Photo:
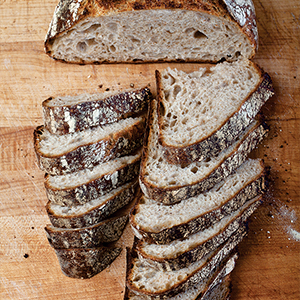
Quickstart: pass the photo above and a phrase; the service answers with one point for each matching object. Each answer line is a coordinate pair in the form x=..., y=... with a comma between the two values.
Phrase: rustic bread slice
x=83, y=263
x=68, y=114
x=156, y=223
x=144, y=31
x=203, y=112
x=183, y=252
x=169, y=183
x=146, y=280
x=217, y=283
x=107, y=231
x=93, y=211
x=59, y=155
x=83, y=186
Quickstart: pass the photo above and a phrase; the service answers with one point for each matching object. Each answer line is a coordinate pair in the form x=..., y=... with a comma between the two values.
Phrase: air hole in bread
x=184, y=121
x=162, y=110
x=92, y=28
x=112, y=26
x=172, y=182
x=199, y=35
x=189, y=30
x=81, y=47
x=194, y=170
x=112, y=48
x=176, y=91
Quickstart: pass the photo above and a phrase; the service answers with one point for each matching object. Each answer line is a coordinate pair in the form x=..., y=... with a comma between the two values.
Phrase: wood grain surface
x=268, y=267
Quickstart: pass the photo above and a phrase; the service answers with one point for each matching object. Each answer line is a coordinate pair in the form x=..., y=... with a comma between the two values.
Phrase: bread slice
x=59, y=155
x=202, y=113
x=156, y=222
x=83, y=263
x=69, y=114
x=169, y=183
x=83, y=186
x=107, y=231
x=146, y=31
x=183, y=252
x=217, y=283
x=146, y=280
x=94, y=211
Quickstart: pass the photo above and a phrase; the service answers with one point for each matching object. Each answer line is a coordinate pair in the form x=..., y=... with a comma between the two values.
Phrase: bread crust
x=94, y=188
x=77, y=117
x=88, y=156
x=68, y=13
x=170, y=195
x=86, y=263
x=218, y=258
x=106, y=231
x=201, y=222
x=98, y=213
x=185, y=259
x=225, y=134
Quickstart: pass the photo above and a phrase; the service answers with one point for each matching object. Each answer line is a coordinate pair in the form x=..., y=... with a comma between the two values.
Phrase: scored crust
x=83, y=263
x=98, y=110
x=222, y=136
x=68, y=13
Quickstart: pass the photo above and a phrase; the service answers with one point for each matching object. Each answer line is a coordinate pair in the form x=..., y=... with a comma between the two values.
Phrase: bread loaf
x=148, y=31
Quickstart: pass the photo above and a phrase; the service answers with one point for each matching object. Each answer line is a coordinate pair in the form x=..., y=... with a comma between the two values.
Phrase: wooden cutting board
x=268, y=267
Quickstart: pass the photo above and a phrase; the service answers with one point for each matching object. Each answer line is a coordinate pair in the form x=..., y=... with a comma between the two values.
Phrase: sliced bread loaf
x=217, y=283
x=83, y=186
x=68, y=114
x=156, y=223
x=144, y=31
x=146, y=280
x=93, y=211
x=169, y=183
x=106, y=231
x=59, y=155
x=204, y=112
x=183, y=252
x=83, y=263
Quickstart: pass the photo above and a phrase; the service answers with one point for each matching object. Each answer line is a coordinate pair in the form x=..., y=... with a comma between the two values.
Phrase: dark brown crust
x=219, y=257
x=68, y=13
x=106, y=231
x=225, y=134
x=111, y=109
x=93, y=189
x=170, y=195
x=97, y=214
x=185, y=259
x=87, y=156
x=252, y=190
x=86, y=263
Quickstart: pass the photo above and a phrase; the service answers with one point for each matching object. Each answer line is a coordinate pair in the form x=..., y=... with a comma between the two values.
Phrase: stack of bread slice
x=198, y=185
x=90, y=149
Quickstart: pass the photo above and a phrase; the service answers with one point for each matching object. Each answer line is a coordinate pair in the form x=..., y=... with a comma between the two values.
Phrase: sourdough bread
x=64, y=154
x=182, y=252
x=93, y=211
x=156, y=223
x=85, y=185
x=68, y=114
x=147, y=31
x=85, y=263
x=216, y=284
x=107, y=231
x=203, y=112
x=146, y=280
x=169, y=183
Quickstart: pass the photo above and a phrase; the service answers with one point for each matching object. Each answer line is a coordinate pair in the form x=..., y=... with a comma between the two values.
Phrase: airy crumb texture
x=154, y=217
x=197, y=104
x=152, y=35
